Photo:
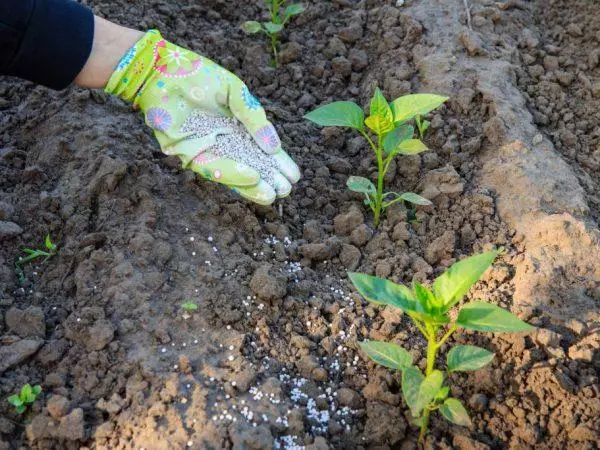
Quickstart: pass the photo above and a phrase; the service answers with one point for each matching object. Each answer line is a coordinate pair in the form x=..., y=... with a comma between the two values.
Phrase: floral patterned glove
x=174, y=87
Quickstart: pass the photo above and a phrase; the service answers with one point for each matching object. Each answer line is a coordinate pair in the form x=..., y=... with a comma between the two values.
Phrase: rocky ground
x=270, y=358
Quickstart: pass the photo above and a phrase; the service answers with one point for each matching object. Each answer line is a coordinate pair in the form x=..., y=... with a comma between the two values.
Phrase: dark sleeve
x=45, y=41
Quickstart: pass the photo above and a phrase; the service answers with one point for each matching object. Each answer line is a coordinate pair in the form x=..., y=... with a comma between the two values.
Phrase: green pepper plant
x=429, y=311
x=26, y=396
x=392, y=135
x=280, y=15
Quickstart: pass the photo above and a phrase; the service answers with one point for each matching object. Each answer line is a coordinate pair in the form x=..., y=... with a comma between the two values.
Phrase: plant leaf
x=455, y=412
x=415, y=199
x=190, y=306
x=419, y=391
x=386, y=354
x=15, y=400
x=37, y=389
x=425, y=299
x=442, y=394
x=251, y=27
x=412, y=378
x=381, y=120
x=454, y=283
x=20, y=409
x=396, y=136
x=272, y=28
x=383, y=292
x=361, y=184
x=430, y=386
x=338, y=114
x=411, y=147
x=481, y=316
x=467, y=357
x=49, y=244
x=293, y=10
x=408, y=106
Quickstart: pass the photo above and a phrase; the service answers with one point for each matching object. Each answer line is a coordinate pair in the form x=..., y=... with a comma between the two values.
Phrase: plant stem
x=432, y=348
x=377, y=149
x=274, y=47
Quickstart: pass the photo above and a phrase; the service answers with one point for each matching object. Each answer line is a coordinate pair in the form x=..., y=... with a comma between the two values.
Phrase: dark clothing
x=45, y=41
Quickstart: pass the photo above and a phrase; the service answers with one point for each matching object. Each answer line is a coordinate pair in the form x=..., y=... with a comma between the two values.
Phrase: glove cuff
x=130, y=75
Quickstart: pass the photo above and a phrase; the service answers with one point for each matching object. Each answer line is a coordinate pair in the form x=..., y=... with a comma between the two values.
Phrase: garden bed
x=270, y=358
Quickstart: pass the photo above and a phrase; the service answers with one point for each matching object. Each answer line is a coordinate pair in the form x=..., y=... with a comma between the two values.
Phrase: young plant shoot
x=392, y=135
x=428, y=309
x=26, y=396
x=279, y=18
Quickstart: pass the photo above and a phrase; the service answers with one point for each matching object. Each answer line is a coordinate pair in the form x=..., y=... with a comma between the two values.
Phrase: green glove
x=183, y=96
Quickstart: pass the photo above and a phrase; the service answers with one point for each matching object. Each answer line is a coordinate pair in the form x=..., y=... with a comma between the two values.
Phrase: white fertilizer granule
x=235, y=143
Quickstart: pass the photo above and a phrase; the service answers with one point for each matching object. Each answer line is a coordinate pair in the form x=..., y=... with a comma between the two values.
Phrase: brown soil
x=270, y=359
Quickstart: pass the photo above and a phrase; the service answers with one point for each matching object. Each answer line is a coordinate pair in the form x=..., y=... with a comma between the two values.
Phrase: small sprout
x=33, y=254
x=428, y=309
x=279, y=18
x=422, y=125
x=392, y=136
x=190, y=306
x=25, y=397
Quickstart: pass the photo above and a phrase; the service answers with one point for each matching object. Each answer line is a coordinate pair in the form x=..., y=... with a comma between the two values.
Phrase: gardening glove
x=175, y=89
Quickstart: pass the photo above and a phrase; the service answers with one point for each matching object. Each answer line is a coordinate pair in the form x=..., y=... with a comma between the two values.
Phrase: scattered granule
x=235, y=143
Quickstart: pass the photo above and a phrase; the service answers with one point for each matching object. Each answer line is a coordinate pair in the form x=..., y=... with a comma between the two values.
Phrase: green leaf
x=383, y=292
x=454, y=283
x=15, y=400
x=411, y=147
x=467, y=357
x=415, y=199
x=26, y=393
x=272, y=28
x=381, y=120
x=338, y=114
x=392, y=140
x=361, y=184
x=190, y=306
x=293, y=10
x=481, y=316
x=408, y=106
x=442, y=394
x=428, y=387
x=386, y=354
x=37, y=389
x=251, y=27
x=412, y=378
x=49, y=244
x=426, y=299
x=20, y=409
x=455, y=412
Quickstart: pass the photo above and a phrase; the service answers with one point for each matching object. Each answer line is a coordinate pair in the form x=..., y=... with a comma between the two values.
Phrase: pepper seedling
x=26, y=396
x=393, y=136
x=37, y=253
x=190, y=306
x=428, y=309
x=280, y=16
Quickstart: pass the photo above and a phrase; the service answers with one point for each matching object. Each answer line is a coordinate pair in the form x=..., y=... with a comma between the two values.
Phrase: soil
x=270, y=360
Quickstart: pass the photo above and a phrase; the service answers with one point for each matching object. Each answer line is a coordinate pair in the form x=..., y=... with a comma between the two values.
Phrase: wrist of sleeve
x=134, y=69
x=55, y=44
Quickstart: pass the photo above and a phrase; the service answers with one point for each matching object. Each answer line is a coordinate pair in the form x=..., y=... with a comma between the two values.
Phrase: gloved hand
x=174, y=88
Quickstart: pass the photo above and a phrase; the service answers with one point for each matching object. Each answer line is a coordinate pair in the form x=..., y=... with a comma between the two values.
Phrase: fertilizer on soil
x=233, y=142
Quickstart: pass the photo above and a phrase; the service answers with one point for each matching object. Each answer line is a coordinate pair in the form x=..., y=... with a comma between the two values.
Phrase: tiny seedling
x=25, y=397
x=422, y=125
x=190, y=306
x=280, y=15
x=429, y=311
x=33, y=254
x=393, y=136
